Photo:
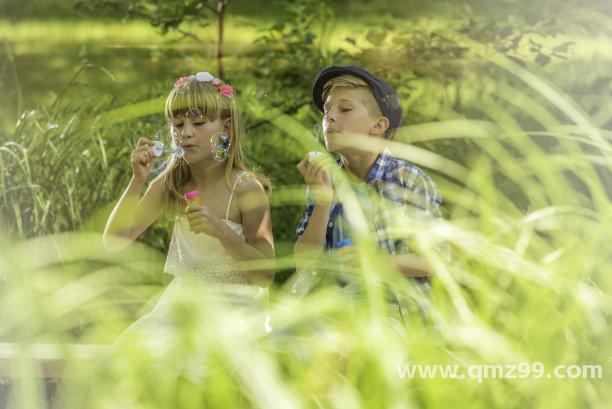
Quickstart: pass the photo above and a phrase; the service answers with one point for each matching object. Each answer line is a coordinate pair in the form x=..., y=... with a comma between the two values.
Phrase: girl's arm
x=254, y=207
x=133, y=214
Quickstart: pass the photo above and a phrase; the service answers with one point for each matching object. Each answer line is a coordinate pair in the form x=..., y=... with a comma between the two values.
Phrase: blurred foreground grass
x=521, y=154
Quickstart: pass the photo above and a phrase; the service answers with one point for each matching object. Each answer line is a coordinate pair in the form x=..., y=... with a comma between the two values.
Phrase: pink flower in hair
x=183, y=80
x=226, y=90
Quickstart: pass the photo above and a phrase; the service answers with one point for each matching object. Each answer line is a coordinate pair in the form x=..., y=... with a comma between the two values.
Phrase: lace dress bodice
x=201, y=257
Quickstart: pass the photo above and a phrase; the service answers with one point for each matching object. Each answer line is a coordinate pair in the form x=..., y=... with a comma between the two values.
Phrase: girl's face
x=193, y=131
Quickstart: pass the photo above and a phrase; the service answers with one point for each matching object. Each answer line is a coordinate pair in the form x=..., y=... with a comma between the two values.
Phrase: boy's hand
x=142, y=159
x=316, y=174
x=201, y=220
x=348, y=258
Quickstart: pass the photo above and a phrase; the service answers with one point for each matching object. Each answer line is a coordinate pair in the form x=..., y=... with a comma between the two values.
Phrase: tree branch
x=189, y=34
x=288, y=111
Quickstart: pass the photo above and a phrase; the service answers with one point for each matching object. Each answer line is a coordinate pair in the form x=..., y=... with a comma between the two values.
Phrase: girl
x=232, y=222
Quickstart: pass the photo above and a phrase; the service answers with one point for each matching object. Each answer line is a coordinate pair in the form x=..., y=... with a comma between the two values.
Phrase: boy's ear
x=380, y=126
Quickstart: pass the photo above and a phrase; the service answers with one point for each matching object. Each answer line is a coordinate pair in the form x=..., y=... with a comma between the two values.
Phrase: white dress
x=198, y=262
x=201, y=257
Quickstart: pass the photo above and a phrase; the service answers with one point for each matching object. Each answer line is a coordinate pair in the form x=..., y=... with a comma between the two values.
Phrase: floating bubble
x=243, y=177
x=159, y=149
x=165, y=134
x=260, y=93
x=194, y=115
x=313, y=155
x=317, y=131
x=164, y=147
x=220, y=144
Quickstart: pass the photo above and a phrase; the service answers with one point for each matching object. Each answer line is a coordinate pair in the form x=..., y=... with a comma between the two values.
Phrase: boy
x=355, y=103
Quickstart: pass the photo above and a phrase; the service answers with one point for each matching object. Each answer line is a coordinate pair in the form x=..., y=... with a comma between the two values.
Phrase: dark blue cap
x=385, y=95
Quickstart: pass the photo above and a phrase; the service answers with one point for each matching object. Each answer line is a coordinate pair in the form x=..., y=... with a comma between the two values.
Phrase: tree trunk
x=221, y=6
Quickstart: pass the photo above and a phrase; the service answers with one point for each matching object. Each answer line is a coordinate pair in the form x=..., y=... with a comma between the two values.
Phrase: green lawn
x=45, y=54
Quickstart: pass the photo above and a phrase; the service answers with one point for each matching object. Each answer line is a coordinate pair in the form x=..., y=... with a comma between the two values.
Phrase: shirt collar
x=377, y=172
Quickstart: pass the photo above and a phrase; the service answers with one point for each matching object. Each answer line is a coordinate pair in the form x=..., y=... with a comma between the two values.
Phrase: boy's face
x=345, y=114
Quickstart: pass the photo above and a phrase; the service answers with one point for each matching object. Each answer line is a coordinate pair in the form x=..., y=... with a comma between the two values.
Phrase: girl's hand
x=316, y=174
x=142, y=159
x=201, y=220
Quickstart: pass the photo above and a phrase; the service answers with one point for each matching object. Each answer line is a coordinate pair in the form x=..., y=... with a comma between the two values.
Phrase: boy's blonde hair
x=213, y=105
x=367, y=97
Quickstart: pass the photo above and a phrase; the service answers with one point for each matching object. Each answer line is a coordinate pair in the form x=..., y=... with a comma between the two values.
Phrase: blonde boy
x=355, y=103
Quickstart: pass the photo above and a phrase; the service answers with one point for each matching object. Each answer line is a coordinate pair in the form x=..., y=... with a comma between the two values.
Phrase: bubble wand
x=192, y=198
x=159, y=149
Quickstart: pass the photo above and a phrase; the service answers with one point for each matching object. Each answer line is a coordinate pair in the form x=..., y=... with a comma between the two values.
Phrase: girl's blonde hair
x=206, y=97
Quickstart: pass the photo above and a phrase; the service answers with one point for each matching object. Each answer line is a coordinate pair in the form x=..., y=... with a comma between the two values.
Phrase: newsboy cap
x=385, y=95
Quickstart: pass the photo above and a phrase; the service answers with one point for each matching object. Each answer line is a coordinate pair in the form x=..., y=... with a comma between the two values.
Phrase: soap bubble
x=221, y=144
x=164, y=148
x=260, y=93
x=317, y=131
x=164, y=145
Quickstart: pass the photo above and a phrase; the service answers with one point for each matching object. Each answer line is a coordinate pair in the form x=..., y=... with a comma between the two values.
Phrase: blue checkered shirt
x=400, y=183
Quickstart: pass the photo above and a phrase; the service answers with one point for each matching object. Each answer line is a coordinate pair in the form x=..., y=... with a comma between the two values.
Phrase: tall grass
x=525, y=174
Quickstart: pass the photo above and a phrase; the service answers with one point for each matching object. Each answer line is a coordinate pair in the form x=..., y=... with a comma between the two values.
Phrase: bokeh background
x=507, y=104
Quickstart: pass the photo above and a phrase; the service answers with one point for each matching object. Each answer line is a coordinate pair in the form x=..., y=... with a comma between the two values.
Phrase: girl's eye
x=345, y=109
x=198, y=123
x=177, y=125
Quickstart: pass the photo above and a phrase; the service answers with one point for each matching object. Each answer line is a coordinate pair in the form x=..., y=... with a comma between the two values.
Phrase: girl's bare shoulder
x=246, y=182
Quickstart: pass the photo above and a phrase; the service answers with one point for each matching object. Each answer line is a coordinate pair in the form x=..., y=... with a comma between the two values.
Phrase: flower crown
x=224, y=89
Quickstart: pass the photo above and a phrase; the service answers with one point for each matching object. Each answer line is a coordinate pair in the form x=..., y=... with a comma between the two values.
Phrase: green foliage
x=287, y=55
x=521, y=153
x=45, y=166
x=58, y=169
x=178, y=15
x=292, y=50
x=166, y=15
x=20, y=9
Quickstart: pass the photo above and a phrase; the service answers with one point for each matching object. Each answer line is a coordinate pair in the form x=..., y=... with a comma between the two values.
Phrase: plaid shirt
x=402, y=185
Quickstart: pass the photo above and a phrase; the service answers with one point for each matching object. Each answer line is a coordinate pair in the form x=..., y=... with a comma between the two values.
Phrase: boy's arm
x=411, y=265
x=311, y=242
x=425, y=197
